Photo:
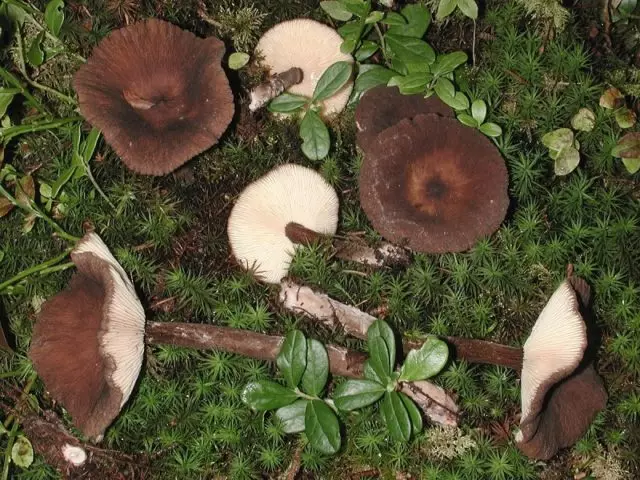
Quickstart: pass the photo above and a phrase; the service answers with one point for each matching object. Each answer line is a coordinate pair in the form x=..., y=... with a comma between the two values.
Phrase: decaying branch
x=433, y=399
x=273, y=87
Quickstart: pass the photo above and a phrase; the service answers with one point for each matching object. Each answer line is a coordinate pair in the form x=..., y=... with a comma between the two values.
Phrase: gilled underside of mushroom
x=274, y=86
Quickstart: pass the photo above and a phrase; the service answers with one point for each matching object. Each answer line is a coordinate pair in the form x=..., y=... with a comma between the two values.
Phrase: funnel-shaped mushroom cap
x=556, y=411
x=382, y=107
x=88, y=343
x=434, y=184
x=288, y=194
x=311, y=46
x=158, y=93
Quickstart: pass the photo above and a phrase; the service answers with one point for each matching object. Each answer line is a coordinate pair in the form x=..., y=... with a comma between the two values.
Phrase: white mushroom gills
x=311, y=46
x=256, y=228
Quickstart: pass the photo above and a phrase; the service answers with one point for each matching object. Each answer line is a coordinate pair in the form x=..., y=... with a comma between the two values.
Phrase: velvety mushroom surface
x=434, y=185
x=158, y=93
x=382, y=107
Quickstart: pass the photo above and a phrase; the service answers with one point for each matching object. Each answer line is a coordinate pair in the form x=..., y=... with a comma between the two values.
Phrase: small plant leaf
x=469, y=8
x=414, y=413
x=354, y=394
x=287, y=103
x=237, y=60
x=22, y=452
x=396, y=417
x=35, y=55
x=611, y=99
x=418, y=20
x=491, y=129
x=631, y=164
x=381, y=329
x=315, y=376
x=90, y=145
x=558, y=139
x=60, y=182
x=292, y=416
x=321, y=427
x=409, y=84
x=349, y=44
x=628, y=146
x=445, y=8
x=6, y=97
x=445, y=88
x=567, y=161
x=468, y=120
x=374, y=17
x=425, y=362
x=410, y=50
x=292, y=359
x=625, y=117
x=459, y=102
x=479, y=111
x=336, y=10
x=393, y=18
x=372, y=77
x=54, y=16
x=370, y=373
x=267, y=395
x=359, y=7
x=366, y=49
x=584, y=120
x=315, y=136
x=379, y=358
x=445, y=64
x=332, y=80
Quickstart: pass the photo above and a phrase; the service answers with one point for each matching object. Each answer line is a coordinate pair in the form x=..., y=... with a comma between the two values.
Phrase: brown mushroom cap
x=434, y=184
x=382, y=107
x=158, y=93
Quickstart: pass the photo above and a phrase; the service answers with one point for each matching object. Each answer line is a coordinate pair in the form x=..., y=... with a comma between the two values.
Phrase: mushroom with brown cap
x=433, y=184
x=158, y=93
x=311, y=47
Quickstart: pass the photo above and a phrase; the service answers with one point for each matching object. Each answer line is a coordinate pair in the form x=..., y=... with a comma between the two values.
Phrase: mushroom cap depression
x=88, y=343
x=382, y=107
x=557, y=404
x=434, y=185
x=288, y=194
x=158, y=93
x=311, y=46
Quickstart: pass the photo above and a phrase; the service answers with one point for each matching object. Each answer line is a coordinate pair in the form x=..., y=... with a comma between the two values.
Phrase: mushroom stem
x=342, y=362
x=273, y=87
x=302, y=235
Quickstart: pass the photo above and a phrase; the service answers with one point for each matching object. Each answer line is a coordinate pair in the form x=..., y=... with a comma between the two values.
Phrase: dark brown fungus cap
x=382, y=107
x=158, y=93
x=434, y=185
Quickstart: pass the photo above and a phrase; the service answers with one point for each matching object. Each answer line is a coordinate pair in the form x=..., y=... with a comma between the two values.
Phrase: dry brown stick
x=273, y=87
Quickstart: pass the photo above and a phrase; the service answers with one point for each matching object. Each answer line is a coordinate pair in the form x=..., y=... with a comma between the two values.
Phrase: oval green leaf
x=6, y=97
x=370, y=373
x=567, y=161
x=479, y=111
x=445, y=64
x=22, y=452
x=315, y=376
x=425, y=362
x=410, y=84
x=332, y=80
x=366, y=49
x=379, y=358
x=315, y=136
x=354, y=394
x=469, y=8
x=35, y=55
x=292, y=359
x=414, y=413
x=237, y=60
x=54, y=16
x=445, y=8
x=410, y=50
x=287, y=103
x=292, y=416
x=372, y=77
x=631, y=164
x=584, y=120
x=468, y=120
x=396, y=417
x=381, y=329
x=321, y=427
x=393, y=18
x=418, y=19
x=336, y=10
x=558, y=139
x=374, y=17
x=491, y=129
x=628, y=146
x=267, y=395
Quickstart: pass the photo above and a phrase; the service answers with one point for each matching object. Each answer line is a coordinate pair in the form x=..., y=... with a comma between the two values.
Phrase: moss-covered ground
x=169, y=233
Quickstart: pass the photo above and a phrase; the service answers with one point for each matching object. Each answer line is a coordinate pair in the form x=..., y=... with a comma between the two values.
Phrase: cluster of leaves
x=21, y=451
x=469, y=8
x=305, y=365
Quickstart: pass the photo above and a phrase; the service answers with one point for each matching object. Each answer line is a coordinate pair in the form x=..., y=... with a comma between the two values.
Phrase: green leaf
x=35, y=55
x=349, y=44
x=292, y=359
x=410, y=50
x=393, y=18
x=625, y=117
x=558, y=139
x=332, y=80
x=410, y=84
x=567, y=161
x=445, y=8
x=374, y=76
x=626, y=7
x=336, y=10
x=425, y=362
x=315, y=136
x=61, y=181
x=267, y=395
x=396, y=417
x=237, y=60
x=359, y=7
x=292, y=416
x=469, y=8
x=22, y=452
x=418, y=19
x=491, y=129
x=379, y=358
x=366, y=49
x=381, y=329
x=628, y=146
x=611, y=99
x=90, y=144
x=414, y=413
x=445, y=64
x=54, y=16
x=321, y=427
x=584, y=120
x=315, y=376
x=354, y=394
x=370, y=373
x=468, y=120
x=631, y=164
x=287, y=103
x=458, y=102
x=6, y=97
x=374, y=17
x=479, y=111
x=444, y=89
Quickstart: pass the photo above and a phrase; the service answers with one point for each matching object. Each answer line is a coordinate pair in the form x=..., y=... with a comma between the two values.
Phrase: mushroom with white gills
x=88, y=343
x=310, y=46
x=560, y=394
